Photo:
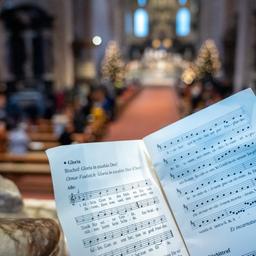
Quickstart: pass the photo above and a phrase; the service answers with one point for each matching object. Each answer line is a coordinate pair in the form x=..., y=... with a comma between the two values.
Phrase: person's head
x=98, y=94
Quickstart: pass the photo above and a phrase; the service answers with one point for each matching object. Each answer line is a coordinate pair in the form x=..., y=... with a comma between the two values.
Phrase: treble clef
x=72, y=199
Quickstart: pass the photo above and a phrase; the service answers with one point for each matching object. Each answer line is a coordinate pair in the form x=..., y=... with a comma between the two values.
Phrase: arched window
x=142, y=2
x=141, y=23
x=183, y=20
x=182, y=2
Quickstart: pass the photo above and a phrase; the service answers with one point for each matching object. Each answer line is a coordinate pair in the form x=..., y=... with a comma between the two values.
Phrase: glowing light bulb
x=97, y=40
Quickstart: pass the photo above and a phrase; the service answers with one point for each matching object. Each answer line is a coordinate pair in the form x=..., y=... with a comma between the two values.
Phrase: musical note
x=203, y=165
x=210, y=165
x=234, y=210
x=201, y=150
x=120, y=210
x=235, y=172
x=196, y=205
x=250, y=254
x=242, y=148
x=80, y=197
x=219, y=126
x=142, y=244
x=120, y=232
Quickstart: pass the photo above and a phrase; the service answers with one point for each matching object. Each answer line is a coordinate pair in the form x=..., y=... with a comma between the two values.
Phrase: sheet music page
x=108, y=204
x=206, y=164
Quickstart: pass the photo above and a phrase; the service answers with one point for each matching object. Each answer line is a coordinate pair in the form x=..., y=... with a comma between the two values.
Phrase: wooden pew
x=41, y=125
x=42, y=141
x=45, y=128
x=42, y=146
x=24, y=168
x=32, y=186
x=38, y=136
x=32, y=178
x=31, y=157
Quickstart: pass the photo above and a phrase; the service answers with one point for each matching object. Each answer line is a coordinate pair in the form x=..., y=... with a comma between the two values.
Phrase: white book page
x=108, y=203
x=206, y=164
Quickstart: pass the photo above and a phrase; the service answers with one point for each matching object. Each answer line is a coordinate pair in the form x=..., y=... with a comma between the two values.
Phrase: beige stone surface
x=34, y=208
x=10, y=197
x=29, y=237
x=27, y=224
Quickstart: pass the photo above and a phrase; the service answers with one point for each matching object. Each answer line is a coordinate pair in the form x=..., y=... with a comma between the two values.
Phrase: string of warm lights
x=206, y=63
x=113, y=67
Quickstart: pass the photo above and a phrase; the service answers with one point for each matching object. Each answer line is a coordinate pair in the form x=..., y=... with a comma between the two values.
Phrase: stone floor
x=152, y=109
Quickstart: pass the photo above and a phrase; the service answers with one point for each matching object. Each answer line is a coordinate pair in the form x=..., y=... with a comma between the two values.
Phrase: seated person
x=66, y=136
x=98, y=114
x=18, y=140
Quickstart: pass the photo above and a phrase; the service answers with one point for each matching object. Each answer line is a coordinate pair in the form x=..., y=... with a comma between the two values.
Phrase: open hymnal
x=187, y=189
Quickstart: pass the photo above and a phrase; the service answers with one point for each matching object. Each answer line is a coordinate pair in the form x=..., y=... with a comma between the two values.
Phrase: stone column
x=118, y=22
x=4, y=71
x=213, y=21
x=102, y=17
x=28, y=36
x=243, y=44
x=63, y=38
x=82, y=39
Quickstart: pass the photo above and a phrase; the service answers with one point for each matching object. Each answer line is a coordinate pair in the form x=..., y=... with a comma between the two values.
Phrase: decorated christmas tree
x=208, y=60
x=206, y=64
x=113, y=68
x=189, y=75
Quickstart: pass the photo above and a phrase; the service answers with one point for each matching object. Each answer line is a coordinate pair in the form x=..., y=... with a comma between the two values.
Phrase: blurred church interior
x=78, y=71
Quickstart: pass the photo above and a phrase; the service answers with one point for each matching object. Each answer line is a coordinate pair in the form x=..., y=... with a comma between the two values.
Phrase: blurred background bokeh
x=79, y=71
x=74, y=71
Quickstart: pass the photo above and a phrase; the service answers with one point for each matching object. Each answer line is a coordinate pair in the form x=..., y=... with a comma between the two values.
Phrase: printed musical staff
x=242, y=148
x=239, y=170
x=208, y=165
x=202, y=151
x=250, y=254
x=207, y=168
x=214, y=128
x=230, y=211
x=142, y=244
x=120, y=210
x=223, y=194
x=203, y=165
x=80, y=197
x=121, y=232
